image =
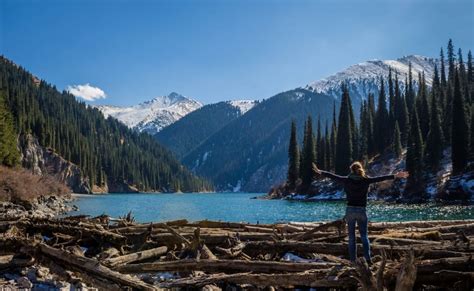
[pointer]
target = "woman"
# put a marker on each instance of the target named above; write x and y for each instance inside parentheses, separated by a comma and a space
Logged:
(356, 186)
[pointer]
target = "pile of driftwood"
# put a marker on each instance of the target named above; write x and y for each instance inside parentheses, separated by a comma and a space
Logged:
(115, 254)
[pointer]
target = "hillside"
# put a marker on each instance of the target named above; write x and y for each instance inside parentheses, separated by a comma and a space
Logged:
(195, 128)
(250, 153)
(110, 156)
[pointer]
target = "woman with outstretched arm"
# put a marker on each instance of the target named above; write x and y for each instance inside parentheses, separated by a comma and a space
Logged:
(356, 186)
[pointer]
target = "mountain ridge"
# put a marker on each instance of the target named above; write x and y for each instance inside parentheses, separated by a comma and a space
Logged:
(239, 157)
(153, 115)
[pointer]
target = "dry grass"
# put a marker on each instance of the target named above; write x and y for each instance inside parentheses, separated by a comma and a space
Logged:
(17, 185)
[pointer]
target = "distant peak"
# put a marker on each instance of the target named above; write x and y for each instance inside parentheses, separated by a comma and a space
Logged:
(174, 95)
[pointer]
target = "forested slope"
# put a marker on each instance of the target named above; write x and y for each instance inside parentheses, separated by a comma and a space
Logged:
(106, 151)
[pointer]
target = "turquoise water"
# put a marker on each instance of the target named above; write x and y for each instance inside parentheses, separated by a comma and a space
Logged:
(239, 207)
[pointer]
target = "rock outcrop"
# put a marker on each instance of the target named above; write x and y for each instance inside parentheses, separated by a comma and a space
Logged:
(44, 161)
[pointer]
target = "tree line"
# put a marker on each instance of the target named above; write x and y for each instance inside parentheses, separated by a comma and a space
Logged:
(104, 149)
(427, 122)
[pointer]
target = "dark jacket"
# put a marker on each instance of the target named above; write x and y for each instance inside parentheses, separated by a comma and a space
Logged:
(356, 187)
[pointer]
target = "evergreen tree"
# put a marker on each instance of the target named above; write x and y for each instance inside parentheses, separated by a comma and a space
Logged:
(9, 155)
(354, 132)
(320, 145)
(309, 155)
(460, 129)
(448, 110)
(414, 158)
(363, 133)
(442, 69)
(328, 150)
(397, 142)
(392, 100)
(333, 140)
(435, 139)
(410, 91)
(470, 77)
(293, 158)
(382, 121)
(371, 144)
(344, 134)
(302, 152)
(424, 109)
(451, 61)
(472, 133)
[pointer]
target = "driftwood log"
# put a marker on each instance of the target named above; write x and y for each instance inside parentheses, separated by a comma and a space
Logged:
(119, 253)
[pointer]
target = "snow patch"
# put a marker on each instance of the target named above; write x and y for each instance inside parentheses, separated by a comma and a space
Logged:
(243, 105)
(237, 187)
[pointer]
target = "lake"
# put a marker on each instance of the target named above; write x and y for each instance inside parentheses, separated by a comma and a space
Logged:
(238, 207)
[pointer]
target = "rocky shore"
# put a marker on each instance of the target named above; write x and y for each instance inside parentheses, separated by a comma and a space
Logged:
(27, 275)
(41, 207)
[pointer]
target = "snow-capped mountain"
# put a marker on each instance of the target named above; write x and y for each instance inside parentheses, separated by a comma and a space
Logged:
(243, 105)
(151, 116)
(365, 77)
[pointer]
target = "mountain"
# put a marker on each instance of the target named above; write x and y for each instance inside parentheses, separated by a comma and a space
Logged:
(195, 128)
(249, 153)
(152, 116)
(364, 77)
(64, 135)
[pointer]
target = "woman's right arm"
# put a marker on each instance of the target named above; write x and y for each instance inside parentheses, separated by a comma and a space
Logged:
(330, 175)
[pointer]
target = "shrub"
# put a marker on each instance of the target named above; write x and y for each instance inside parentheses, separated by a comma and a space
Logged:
(19, 185)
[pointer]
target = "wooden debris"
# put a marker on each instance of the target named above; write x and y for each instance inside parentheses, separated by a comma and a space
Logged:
(216, 255)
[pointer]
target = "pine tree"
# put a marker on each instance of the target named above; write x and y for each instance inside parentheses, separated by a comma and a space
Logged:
(309, 155)
(397, 142)
(442, 68)
(363, 136)
(371, 144)
(333, 140)
(355, 133)
(392, 100)
(448, 110)
(293, 158)
(460, 129)
(414, 158)
(435, 139)
(451, 61)
(470, 77)
(382, 121)
(472, 133)
(328, 150)
(302, 152)
(424, 109)
(410, 91)
(344, 134)
(320, 145)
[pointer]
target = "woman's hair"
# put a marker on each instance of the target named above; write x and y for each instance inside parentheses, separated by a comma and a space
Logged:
(358, 169)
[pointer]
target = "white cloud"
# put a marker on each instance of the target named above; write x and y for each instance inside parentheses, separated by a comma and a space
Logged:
(86, 92)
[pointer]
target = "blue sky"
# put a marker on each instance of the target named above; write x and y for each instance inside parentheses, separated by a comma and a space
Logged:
(218, 50)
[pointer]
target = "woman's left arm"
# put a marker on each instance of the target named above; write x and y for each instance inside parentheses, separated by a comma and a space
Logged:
(402, 175)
